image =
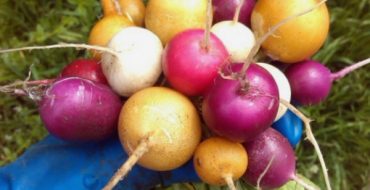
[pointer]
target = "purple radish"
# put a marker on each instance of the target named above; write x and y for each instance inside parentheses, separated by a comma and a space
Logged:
(272, 162)
(238, 112)
(77, 109)
(225, 10)
(311, 81)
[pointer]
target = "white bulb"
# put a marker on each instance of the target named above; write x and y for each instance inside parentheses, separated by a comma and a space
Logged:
(283, 86)
(138, 64)
(236, 37)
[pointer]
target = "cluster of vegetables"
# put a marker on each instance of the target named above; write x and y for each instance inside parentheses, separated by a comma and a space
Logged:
(211, 83)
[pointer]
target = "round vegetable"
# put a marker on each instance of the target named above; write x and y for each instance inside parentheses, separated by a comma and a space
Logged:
(237, 38)
(85, 68)
(216, 159)
(166, 18)
(134, 10)
(282, 84)
(78, 109)
(169, 119)
(225, 10)
(103, 31)
(297, 39)
(237, 112)
(311, 81)
(137, 65)
(189, 66)
(271, 153)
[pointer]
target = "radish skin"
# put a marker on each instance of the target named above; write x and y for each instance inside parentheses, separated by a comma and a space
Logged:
(283, 86)
(237, 38)
(138, 64)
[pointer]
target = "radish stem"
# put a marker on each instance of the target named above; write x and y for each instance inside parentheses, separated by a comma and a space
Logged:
(62, 45)
(271, 31)
(230, 182)
(117, 7)
(342, 73)
(264, 172)
(311, 138)
(237, 12)
(207, 34)
(303, 183)
(140, 150)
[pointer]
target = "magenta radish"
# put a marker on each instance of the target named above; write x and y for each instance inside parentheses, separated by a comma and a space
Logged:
(238, 112)
(272, 162)
(283, 86)
(77, 109)
(85, 68)
(311, 81)
(189, 66)
(225, 10)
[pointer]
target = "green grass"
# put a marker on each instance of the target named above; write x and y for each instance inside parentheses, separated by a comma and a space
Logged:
(342, 122)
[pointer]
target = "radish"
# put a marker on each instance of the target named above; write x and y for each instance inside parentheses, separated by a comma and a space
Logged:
(311, 81)
(226, 9)
(134, 10)
(85, 68)
(219, 161)
(237, 38)
(192, 59)
(166, 18)
(137, 63)
(77, 109)
(241, 111)
(159, 128)
(283, 86)
(271, 161)
(191, 67)
(298, 39)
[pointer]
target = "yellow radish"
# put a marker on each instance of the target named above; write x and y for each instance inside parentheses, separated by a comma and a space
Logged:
(299, 38)
(166, 18)
(103, 31)
(219, 161)
(134, 10)
(164, 124)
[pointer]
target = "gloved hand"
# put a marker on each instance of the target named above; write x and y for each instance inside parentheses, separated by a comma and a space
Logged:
(56, 164)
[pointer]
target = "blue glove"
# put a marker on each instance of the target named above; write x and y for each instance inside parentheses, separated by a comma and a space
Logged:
(54, 164)
(290, 126)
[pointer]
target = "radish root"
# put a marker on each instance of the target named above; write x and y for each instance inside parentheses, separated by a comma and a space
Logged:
(140, 150)
(303, 183)
(311, 138)
(237, 11)
(117, 7)
(209, 19)
(63, 45)
(342, 73)
(257, 46)
(230, 182)
(264, 173)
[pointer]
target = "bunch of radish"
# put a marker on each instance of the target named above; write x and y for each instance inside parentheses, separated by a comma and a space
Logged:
(214, 60)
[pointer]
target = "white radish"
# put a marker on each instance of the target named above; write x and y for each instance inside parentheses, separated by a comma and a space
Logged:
(283, 86)
(138, 63)
(237, 38)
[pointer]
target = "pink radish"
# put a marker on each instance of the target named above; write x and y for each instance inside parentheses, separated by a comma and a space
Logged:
(239, 112)
(192, 59)
(272, 161)
(85, 68)
(311, 81)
